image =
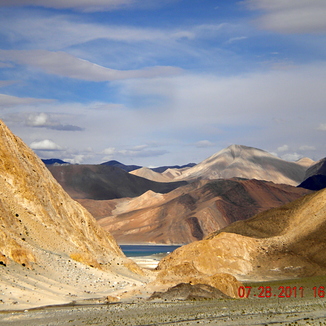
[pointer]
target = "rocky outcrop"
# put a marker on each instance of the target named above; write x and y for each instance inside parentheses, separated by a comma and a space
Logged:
(191, 212)
(187, 291)
(284, 242)
(43, 229)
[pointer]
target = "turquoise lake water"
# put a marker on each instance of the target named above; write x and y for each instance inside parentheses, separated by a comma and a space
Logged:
(146, 250)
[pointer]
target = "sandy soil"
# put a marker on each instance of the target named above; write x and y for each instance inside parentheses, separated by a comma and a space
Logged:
(89, 305)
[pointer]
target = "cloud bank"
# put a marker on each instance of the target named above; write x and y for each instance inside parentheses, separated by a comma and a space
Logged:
(64, 64)
(292, 16)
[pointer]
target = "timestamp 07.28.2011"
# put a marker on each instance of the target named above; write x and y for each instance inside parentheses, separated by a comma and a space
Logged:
(280, 292)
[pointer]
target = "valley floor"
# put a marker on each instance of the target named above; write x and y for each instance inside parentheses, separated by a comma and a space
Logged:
(307, 307)
(212, 312)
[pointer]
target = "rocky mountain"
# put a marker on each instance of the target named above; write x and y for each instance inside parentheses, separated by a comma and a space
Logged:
(101, 182)
(284, 242)
(317, 168)
(306, 162)
(51, 248)
(159, 169)
(246, 162)
(315, 177)
(151, 175)
(162, 169)
(315, 182)
(54, 161)
(190, 212)
(122, 166)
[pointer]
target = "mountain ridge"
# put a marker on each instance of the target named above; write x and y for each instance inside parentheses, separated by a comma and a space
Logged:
(48, 242)
(280, 243)
(246, 162)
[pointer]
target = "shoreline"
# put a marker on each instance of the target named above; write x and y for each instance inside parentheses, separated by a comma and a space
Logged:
(152, 244)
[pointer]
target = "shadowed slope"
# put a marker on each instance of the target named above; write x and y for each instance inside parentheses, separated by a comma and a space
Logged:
(103, 182)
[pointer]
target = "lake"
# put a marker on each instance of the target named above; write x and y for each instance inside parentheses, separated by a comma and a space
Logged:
(146, 250)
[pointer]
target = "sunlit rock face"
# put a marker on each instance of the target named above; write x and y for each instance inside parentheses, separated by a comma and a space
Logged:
(284, 242)
(51, 248)
(247, 162)
(35, 211)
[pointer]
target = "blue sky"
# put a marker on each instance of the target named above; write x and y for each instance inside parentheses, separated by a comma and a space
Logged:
(158, 82)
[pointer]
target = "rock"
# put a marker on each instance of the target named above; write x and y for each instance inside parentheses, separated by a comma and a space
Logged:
(187, 291)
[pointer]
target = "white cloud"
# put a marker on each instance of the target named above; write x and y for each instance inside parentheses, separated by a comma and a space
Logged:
(322, 127)
(83, 5)
(49, 121)
(291, 157)
(67, 65)
(292, 16)
(136, 151)
(45, 145)
(204, 144)
(236, 39)
(283, 148)
(4, 83)
(8, 101)
(58, 32)
(307, 148)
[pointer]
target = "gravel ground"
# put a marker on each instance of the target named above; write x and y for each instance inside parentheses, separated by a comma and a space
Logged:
(251, 311)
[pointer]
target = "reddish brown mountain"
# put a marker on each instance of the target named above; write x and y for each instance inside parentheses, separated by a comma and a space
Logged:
(190, 212)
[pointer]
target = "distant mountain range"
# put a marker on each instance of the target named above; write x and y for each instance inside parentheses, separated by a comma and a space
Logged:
(102, 182)
(54, 161)
(190, 212)
(234, 161)
(122, 166)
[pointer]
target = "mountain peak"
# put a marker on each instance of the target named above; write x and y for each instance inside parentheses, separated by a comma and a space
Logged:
(246, 162)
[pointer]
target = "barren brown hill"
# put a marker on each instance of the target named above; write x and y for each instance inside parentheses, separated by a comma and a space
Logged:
(151, 175)
(102, 182)
(246, 162)
(190, 212)
(284, 242)
(48, 242)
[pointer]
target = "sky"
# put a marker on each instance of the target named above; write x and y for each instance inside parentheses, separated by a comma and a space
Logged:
(164, 82)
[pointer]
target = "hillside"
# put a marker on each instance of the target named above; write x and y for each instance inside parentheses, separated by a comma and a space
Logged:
(190, 212)
(246, 162)
(151, 175)
(315, 177)
(49, 244)
(317, 168)
(102, 182)
(284, 242)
